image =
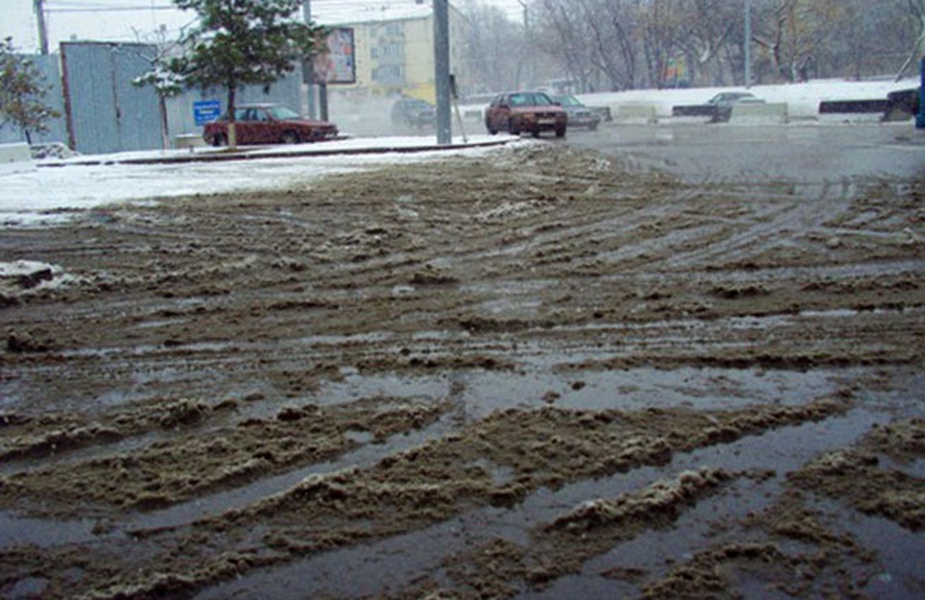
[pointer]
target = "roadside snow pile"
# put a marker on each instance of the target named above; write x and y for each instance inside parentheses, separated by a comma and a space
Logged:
(23, 276)
(25, 273)
(57, 193)
(802, 99)
(54, 150)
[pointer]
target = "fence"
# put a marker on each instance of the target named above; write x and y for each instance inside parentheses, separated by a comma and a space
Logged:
(102, 111)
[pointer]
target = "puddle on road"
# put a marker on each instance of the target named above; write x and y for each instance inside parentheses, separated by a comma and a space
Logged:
(17, 531)
(895, 546)
(483, 392)
(45, 533)
(391, 564)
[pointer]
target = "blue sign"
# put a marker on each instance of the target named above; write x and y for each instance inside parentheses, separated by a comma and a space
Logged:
(206, 111)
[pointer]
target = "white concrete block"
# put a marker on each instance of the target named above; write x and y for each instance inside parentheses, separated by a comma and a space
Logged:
(15, 158)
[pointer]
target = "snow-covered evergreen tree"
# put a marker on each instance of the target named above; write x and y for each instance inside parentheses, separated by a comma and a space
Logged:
(242, 42)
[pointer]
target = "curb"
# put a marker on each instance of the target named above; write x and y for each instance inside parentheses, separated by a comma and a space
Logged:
(229, 156)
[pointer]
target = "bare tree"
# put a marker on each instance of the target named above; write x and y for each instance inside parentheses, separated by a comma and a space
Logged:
(626, 43)
(494, 49)
(564, 36)
(711, 35)
(917, 15)
(615, 45)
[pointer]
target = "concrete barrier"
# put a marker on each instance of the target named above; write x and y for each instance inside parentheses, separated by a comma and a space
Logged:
(472, 113)
(770, 112)
(188, 140)
(15, 158)
(645, 113)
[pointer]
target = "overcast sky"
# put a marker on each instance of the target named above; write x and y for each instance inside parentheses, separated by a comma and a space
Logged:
(122, 20)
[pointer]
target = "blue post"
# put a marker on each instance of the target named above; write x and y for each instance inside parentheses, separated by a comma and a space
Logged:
(920, 117)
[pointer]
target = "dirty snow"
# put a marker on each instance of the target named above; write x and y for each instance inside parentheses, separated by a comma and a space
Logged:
(52, 194)
(48, 194)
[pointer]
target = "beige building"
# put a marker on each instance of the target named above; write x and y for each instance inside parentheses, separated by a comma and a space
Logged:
(394, 44)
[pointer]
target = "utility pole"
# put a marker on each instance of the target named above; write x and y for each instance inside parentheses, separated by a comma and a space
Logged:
(442, 72)
(308, 73)
(528, 41)
(748, 43)
(39, 7)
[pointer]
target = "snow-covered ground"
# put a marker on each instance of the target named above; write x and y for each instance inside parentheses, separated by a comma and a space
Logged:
(51, 194)
(802, 99)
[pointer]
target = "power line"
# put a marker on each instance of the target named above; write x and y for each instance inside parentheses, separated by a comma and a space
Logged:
(110, 9)
(101, 3)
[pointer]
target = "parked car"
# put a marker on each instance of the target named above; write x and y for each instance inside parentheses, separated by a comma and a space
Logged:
(268, 124)
(579, 115)
(725, 101)
(901, 105)
(525, 111)
(718, 108)
(413, 113)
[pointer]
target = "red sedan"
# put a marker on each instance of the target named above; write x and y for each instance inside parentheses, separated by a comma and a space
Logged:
(268, 124)
(525, 111)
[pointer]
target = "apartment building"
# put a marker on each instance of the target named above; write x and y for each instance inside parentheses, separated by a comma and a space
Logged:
(394, 45)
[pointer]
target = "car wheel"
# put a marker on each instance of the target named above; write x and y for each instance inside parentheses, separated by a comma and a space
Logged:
(512, 127)
(536, 132)
(290, 137)
(560, 132)
(592, 127)
(219, 140)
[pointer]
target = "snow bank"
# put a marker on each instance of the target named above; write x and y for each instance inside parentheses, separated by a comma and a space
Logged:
(802, 99)
(15, 158)
(51, 195)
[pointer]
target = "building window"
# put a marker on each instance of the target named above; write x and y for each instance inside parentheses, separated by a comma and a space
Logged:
(389, 75)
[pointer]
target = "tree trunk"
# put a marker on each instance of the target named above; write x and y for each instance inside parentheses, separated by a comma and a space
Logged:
(232, 136)
(165, 130)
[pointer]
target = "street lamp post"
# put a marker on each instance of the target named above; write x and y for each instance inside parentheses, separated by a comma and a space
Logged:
(748, 43)
(39, 7)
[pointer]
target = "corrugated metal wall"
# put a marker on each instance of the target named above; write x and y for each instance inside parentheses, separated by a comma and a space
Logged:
(103, 112)
(106, 112)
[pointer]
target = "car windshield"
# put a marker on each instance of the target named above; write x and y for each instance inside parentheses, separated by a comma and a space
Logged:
(264, 113)
(281, 113)
(568, 100)
(536, 99)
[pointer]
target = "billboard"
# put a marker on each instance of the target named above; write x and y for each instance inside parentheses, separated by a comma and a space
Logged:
(337, 61)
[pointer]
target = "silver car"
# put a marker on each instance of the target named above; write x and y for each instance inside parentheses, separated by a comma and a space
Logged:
(579, 115)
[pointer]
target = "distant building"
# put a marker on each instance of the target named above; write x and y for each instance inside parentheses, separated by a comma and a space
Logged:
(394, 45)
